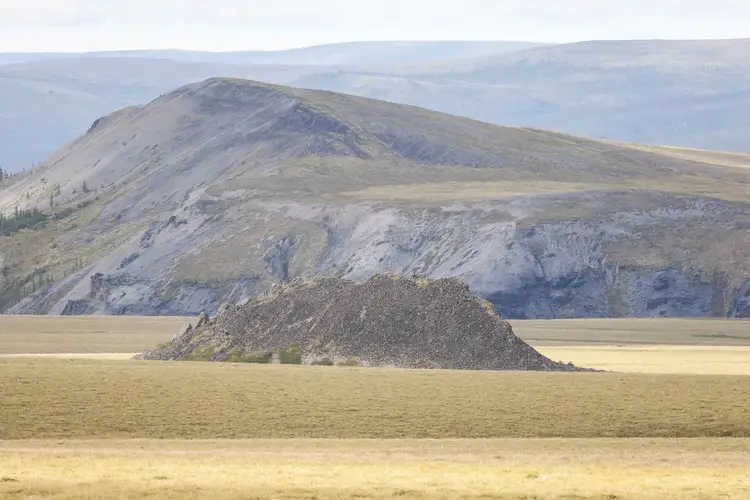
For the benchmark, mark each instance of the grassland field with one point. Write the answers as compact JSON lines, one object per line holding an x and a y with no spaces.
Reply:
{"x":500,"y":469}
{"x":79,"y":419}
{"x":690,"y":346}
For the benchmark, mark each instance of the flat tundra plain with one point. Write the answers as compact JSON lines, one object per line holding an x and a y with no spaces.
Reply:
{"x":671,"y":420}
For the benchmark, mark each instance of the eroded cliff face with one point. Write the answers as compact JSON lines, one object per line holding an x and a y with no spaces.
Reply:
{"x":741,"y":302}
{"x":195,"y":260}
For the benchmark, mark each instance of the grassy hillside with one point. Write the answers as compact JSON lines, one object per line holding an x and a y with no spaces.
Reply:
{"x":335,"y":144}
{"x":264,"y":178}
{"x":725,"y":158}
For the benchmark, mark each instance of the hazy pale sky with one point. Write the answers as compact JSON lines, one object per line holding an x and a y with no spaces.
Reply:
{"x":83,"y":25}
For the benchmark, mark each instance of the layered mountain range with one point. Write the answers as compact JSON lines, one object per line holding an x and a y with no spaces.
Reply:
{"x":680,"y":93}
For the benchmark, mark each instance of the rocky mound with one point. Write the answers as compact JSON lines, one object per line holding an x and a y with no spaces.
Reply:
{"x":386,"y":321}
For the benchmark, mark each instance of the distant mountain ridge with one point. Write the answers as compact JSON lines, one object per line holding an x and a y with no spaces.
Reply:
{"x":48,"y":99}
{"x":681,"y":93}
{"x":334,"y":54}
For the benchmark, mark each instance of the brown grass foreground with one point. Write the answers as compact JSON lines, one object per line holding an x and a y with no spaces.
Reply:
{"x":58,"y":398}
{"x":85,"y":334}
{"x":334,"y":469}
{"x":97,"y":401}
{"x":634,"y":332}
{"x":689,"y":360}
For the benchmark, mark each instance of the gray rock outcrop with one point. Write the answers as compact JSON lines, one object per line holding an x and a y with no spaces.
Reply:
{"x":384,"y":321}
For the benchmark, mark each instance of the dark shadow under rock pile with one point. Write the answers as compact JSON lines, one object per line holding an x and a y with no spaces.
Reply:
{"x":385,"y":321}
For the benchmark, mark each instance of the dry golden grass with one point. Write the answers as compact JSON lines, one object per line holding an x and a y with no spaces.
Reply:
{"x":443,"y":469}
{"x":689,"y":360}
{"x":660,"y":345}
{"x":103,"y":403}
{"x":441,"y":192}
{"x":122,"y":356}
{"x":697,"y":360}
{"x":467,"y":191}
{"x":84,"y":334}
{"x":635,"y":331}
{"x":58,"y":398}
{"x":719,"y":158}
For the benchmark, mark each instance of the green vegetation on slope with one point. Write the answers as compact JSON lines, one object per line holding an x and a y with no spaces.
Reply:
{"x":45,"y":247}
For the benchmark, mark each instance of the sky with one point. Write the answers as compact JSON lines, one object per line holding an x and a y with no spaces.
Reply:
{"x":88,"y":25}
